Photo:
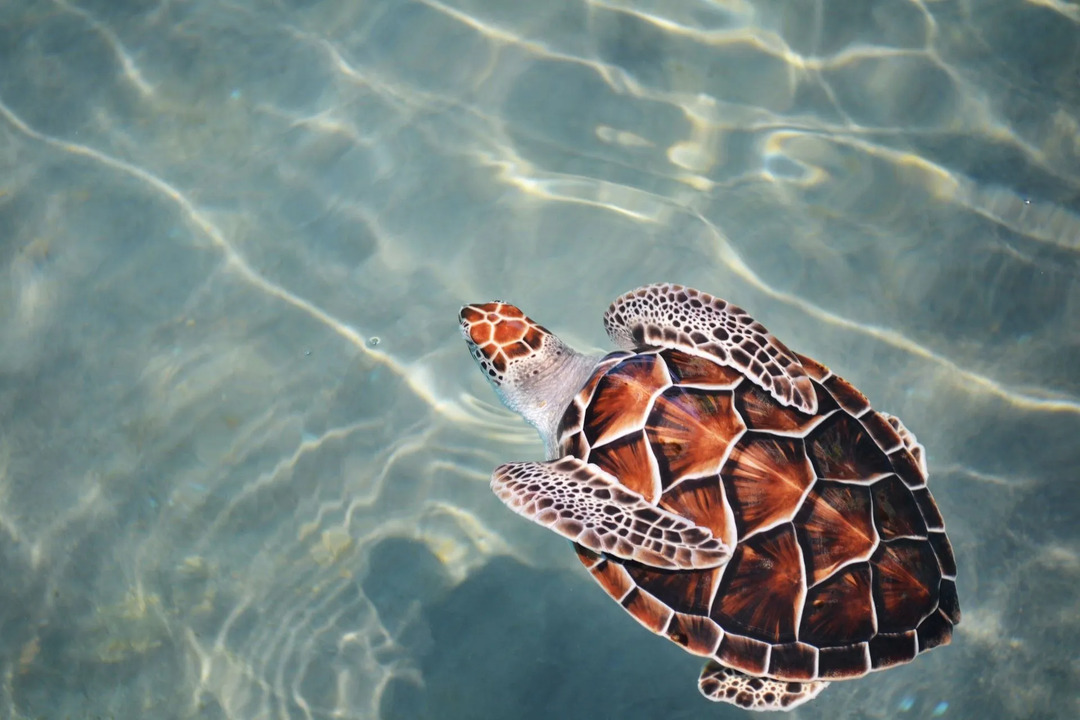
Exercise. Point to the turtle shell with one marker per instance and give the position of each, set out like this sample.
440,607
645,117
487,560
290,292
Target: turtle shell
840,565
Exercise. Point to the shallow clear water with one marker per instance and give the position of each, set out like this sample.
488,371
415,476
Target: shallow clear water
244,452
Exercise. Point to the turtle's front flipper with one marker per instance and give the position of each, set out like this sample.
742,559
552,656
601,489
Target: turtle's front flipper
722,684
587,505
673,316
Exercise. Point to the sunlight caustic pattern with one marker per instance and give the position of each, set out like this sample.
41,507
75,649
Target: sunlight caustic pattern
243,457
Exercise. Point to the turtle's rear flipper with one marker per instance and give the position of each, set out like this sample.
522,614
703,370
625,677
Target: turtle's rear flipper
722,684
587,505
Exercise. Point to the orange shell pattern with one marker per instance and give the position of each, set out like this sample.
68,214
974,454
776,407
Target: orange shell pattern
841,564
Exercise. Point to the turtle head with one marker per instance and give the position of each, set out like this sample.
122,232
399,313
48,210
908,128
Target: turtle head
503,340
534,372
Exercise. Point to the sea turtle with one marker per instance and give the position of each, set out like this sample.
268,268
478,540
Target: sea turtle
730,494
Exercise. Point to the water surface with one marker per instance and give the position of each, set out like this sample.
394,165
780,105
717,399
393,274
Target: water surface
244,453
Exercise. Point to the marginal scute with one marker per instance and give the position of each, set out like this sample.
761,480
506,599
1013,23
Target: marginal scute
887,650
934,631
949,602
827,405
944,552
745,654
911,443
793,661
907,467
845,661
882,432
649,611
613,578
929,509
814,369
850,399
587,557
697,634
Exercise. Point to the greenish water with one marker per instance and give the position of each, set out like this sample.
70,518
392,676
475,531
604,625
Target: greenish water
244,451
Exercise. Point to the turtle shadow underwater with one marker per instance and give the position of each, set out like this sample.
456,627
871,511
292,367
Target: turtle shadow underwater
517,641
